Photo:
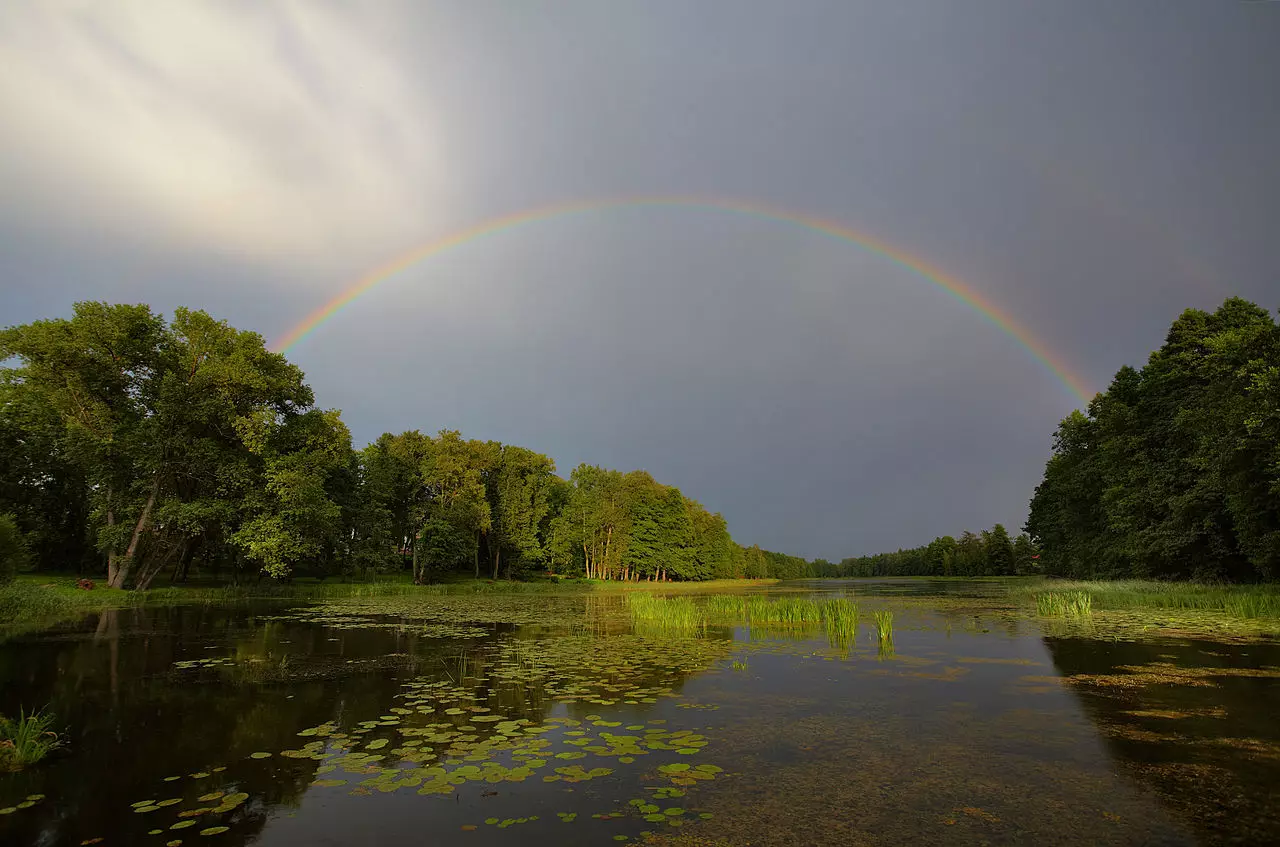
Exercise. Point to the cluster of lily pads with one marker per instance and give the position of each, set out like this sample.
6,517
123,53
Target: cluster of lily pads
338,617
484,724
203,663
26,803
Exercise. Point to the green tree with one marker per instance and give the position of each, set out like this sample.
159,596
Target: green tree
999,549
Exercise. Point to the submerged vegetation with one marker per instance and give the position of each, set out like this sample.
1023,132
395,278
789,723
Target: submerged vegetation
26,739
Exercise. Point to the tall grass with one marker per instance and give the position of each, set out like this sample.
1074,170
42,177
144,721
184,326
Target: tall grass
838,616
26,739
1065,604
666,615
1241,602
884,625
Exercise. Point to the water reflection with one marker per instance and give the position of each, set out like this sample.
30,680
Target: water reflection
558,718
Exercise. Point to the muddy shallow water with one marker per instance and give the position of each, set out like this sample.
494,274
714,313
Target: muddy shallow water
538,720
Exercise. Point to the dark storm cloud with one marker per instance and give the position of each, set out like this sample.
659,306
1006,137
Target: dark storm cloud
1092,169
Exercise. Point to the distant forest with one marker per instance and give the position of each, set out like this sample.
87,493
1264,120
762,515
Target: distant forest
991,553
1174,472
146,449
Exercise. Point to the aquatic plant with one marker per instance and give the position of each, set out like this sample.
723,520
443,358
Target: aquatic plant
666,614
884,625
26,739
1065,604
1240,602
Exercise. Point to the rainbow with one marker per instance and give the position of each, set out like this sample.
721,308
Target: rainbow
954,287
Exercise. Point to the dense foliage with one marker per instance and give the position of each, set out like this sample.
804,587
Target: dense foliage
991,553
1175,470
142,447
13,550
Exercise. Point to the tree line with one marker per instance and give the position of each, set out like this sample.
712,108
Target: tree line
989,553
141,447
1174,471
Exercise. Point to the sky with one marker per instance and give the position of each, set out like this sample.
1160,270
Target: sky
1090,169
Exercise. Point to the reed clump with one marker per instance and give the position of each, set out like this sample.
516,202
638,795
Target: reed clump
1065,604
884,625
26,739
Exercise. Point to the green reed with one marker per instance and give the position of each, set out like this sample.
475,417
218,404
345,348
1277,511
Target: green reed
26,739
1065,604
884,625
666,614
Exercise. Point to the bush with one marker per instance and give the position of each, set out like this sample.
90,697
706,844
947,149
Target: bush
13,549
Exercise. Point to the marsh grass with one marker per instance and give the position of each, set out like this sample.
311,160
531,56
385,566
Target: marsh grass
26,739
837,616
884,625
666,615
1064,604
1240,602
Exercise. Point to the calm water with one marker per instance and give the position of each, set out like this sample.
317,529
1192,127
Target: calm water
555,721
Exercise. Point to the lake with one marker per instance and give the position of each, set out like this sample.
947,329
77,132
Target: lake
566,720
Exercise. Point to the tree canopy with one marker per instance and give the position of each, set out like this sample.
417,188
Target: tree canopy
1174,472
141,446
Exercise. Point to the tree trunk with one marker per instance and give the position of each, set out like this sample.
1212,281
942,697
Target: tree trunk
497,557
149,572
417,577
111,553
144,519
608,539
477,554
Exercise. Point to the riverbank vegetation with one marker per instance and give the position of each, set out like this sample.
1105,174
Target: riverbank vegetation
153,452
1241,602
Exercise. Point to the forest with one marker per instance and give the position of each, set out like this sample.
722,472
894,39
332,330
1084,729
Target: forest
989,553
1174,472
146,450
141,449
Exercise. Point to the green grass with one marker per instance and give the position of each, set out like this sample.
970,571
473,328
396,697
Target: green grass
884,625
1064,604
37,601
26,739
666,615
1240,602
838,616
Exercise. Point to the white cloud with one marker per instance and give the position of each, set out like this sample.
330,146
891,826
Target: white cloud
281,132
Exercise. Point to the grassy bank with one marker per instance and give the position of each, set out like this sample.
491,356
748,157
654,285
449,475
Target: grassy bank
34,601
1240,602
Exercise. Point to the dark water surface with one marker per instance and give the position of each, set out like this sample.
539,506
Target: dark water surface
562,723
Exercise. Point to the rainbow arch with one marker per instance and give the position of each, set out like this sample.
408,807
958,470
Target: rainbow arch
954,287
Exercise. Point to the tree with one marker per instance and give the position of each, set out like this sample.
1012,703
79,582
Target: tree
1025,556
1173,471
161,420
518,490
999,549
294,517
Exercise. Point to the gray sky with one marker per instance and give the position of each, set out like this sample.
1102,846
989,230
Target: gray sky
1093,168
